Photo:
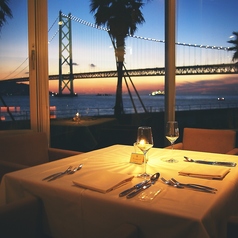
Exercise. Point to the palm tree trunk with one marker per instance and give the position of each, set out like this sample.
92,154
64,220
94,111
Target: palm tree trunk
118,109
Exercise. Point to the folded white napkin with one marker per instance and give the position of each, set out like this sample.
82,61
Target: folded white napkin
102,181
205,171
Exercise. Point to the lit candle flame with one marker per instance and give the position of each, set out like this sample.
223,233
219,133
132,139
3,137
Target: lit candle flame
142,142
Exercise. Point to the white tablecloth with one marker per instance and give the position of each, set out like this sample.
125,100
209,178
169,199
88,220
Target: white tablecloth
72,211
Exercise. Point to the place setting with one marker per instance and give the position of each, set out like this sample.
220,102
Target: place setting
220,163
140,189
191,186
70,170
144,143
206,169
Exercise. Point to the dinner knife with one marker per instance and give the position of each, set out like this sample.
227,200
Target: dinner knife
60,174
137,191
137,186
51,176
56,174
221,163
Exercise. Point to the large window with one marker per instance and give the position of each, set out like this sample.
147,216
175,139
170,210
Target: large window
202,31
14,100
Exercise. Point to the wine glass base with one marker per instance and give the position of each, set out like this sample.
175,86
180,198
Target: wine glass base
144,175
170,160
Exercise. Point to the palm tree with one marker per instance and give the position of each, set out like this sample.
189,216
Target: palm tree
5,12
121,17
235,47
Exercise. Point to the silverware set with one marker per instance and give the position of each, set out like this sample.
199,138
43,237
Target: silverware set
132,192
221,163
197,187
136,189
68,171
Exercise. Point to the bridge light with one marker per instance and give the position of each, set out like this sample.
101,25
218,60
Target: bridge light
60,23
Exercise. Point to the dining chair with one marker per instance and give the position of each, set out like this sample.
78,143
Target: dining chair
208,140
23,149
22,218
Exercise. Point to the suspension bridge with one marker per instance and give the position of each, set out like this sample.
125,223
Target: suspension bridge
85,51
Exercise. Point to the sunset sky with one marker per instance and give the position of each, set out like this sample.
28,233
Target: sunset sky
202,22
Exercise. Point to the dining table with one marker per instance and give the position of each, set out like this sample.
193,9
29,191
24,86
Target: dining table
162,210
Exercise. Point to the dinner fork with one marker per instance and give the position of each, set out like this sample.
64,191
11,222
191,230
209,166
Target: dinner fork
170,183
75,169
192,185
176,185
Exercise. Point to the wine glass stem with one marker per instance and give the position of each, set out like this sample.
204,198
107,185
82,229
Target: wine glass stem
172,145
145,162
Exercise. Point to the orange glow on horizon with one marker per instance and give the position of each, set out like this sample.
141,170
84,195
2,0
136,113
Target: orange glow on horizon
197,84
108,85
184,84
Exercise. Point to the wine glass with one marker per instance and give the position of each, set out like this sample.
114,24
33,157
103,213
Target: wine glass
144,143
172,134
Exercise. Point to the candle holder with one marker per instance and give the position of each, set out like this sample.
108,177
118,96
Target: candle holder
76,118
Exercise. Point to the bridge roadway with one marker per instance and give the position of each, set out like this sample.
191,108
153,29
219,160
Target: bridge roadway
182,70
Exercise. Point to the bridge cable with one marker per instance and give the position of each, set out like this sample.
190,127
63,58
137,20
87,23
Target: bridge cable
27,57
57,19
16,68
77,19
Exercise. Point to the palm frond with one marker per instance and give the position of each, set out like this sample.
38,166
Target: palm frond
5,12
235,46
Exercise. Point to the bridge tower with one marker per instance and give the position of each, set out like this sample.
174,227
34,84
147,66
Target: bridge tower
66,87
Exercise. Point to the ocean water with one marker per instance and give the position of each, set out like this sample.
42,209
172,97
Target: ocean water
93,105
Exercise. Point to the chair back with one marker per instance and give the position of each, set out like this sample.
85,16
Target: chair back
24,148
209,140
